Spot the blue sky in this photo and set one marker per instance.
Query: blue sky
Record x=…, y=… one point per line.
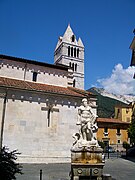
x=30, y=29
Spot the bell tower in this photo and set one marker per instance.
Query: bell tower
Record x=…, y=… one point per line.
x=70, y=51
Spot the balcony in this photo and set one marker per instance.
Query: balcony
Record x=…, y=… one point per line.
x=106, y=133
x=118, y=134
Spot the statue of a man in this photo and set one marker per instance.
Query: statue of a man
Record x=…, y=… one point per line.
x=86, y=120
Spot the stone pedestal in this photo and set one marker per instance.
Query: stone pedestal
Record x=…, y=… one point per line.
x=87, y=162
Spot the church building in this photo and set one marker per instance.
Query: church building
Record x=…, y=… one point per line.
x=39, y=102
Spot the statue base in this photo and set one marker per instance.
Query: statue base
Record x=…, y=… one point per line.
x=87, y=162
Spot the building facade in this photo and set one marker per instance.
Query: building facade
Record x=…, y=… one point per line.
x=113, y=132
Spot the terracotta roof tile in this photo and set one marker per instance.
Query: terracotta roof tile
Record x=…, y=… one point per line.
x=111, y=120
x=34, y=86
x=124, y=106
x=87, y=93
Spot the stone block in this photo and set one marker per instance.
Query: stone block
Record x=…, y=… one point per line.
x=107, y=177
x=86, y=157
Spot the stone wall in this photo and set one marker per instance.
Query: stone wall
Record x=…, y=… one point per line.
x=24, y=71
x=26, y=126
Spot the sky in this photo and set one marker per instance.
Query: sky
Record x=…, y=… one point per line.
x=30, y=29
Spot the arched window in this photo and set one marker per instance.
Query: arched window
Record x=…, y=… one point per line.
x=78, y=52
x=34, y=76
x=74, y=83
x=48, y=116
x=68, y=50
x=73, y=38
x=72, y=51
x=75, y=67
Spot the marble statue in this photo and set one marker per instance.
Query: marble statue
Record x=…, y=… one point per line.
x=87, y=126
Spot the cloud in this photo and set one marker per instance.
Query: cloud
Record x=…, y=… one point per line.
x=120, y=82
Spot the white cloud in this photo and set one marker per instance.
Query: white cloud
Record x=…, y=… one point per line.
x=120, y=82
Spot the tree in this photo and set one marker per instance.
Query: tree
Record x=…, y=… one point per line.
x=126, y=145
x=131, y=129
x=8, y=166
x=101, y=144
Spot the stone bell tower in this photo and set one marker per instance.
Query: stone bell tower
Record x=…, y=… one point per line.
x=70, y=51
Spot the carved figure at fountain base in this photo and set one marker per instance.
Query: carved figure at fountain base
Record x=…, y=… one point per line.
x=79, y=143
x=88, y=162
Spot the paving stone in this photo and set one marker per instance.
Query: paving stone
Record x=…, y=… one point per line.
x=118, y=168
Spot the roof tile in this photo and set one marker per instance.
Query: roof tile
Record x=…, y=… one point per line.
x=111, y=120
x=34, y=86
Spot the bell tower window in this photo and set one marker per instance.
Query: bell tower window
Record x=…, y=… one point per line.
x=71, y=51
x=75, y=67
x=74, y=83
x=68, y=50
x=78, y=52
x=73, y=38
x=74, y=52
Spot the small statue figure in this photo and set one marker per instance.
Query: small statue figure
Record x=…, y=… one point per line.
x=87, y=123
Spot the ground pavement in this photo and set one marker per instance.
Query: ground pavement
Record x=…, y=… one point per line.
x=119, y=168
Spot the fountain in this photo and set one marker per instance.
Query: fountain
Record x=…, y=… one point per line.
x=86, y=155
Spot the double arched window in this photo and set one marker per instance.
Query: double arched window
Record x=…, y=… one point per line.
x=73, y=66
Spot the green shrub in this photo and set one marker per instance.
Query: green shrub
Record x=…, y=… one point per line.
x=126, y=145
x=8, y=166
x=101, y=144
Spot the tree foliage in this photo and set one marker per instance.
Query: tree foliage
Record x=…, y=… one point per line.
x=126, y=145
x=8, y=166
x=101, y=144
x=131, y=132
x=131, y=129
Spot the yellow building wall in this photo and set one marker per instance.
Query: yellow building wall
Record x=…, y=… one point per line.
x=112, y=136
x=126, y=114
x=118, y=113
x=123, y=113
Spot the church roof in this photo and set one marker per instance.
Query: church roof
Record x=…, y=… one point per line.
x=39, y=87
x=62, y=67
x=83, y=92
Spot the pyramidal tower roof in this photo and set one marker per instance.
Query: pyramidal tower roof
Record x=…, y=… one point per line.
x=80, y=43
x=69, y=37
